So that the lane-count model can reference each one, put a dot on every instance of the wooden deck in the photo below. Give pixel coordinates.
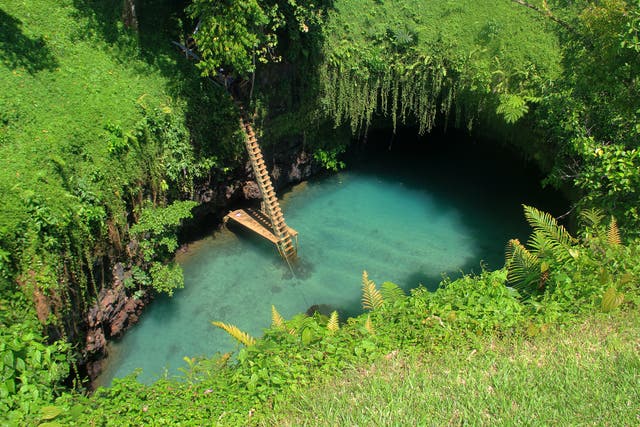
(256, 221)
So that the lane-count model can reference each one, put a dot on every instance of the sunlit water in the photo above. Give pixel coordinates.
(397, 218)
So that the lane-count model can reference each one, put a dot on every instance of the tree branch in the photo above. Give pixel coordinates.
(546, 12)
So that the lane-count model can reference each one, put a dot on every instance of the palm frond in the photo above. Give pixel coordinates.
(613, 233)
(523, 267)
(391, 292)
(547, 225)
(333, 324)
(371, 296)
(368, 325)
(277, 321)
(236, 333)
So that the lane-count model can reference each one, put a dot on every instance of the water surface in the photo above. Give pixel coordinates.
(402, 216)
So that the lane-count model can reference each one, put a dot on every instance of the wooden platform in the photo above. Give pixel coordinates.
(256, 221)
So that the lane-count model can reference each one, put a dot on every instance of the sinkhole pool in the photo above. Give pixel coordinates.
(406, 215)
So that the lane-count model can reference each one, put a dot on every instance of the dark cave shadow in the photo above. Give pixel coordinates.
(17, 50)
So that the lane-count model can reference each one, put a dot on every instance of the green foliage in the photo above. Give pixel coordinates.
(166, 278)
(413, 64)
(554, 235)
(550, 244)
(512, 107)
(611, 299)
(79, 169)
(233, 33)
(31, 370)
(329, 158)
(157, 240)
(560, 272)
(156, 229)
(592, 113)
(96, 123)
(391, 293)
(570, 375)
(524, 269)
(467, 316)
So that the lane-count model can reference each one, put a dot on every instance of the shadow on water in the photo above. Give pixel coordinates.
(17, 50)
(446, 162)
(478, 178)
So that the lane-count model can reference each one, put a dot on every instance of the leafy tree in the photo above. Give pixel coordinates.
(593, 112)
(238, 34)
(235, 33)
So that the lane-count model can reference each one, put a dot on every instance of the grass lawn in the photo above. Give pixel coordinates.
(587, 374)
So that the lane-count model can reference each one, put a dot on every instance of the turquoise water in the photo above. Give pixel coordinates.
(396, 217)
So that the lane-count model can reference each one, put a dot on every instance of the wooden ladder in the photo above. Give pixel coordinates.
(270, 205)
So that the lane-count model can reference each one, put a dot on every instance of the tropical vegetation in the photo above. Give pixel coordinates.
(107, 134)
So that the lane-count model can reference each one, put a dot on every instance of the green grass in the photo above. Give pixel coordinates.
(587, 374)
(492, 30)
(75, 82)
(65, 86)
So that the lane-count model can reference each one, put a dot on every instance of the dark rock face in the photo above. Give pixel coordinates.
(300, 168)
(251, 190)
(114, 312)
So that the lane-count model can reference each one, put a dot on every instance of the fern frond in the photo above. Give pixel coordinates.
(236, 333)
(371, 296)
(391, 292)
(547, 225)
(523, 267)
(543, 247)
(333, 324)
(277, 321)
(508, 251)
(591, 218)
(368, 325)
(613, 233)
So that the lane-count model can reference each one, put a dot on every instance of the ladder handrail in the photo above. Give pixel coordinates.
(274, 213)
